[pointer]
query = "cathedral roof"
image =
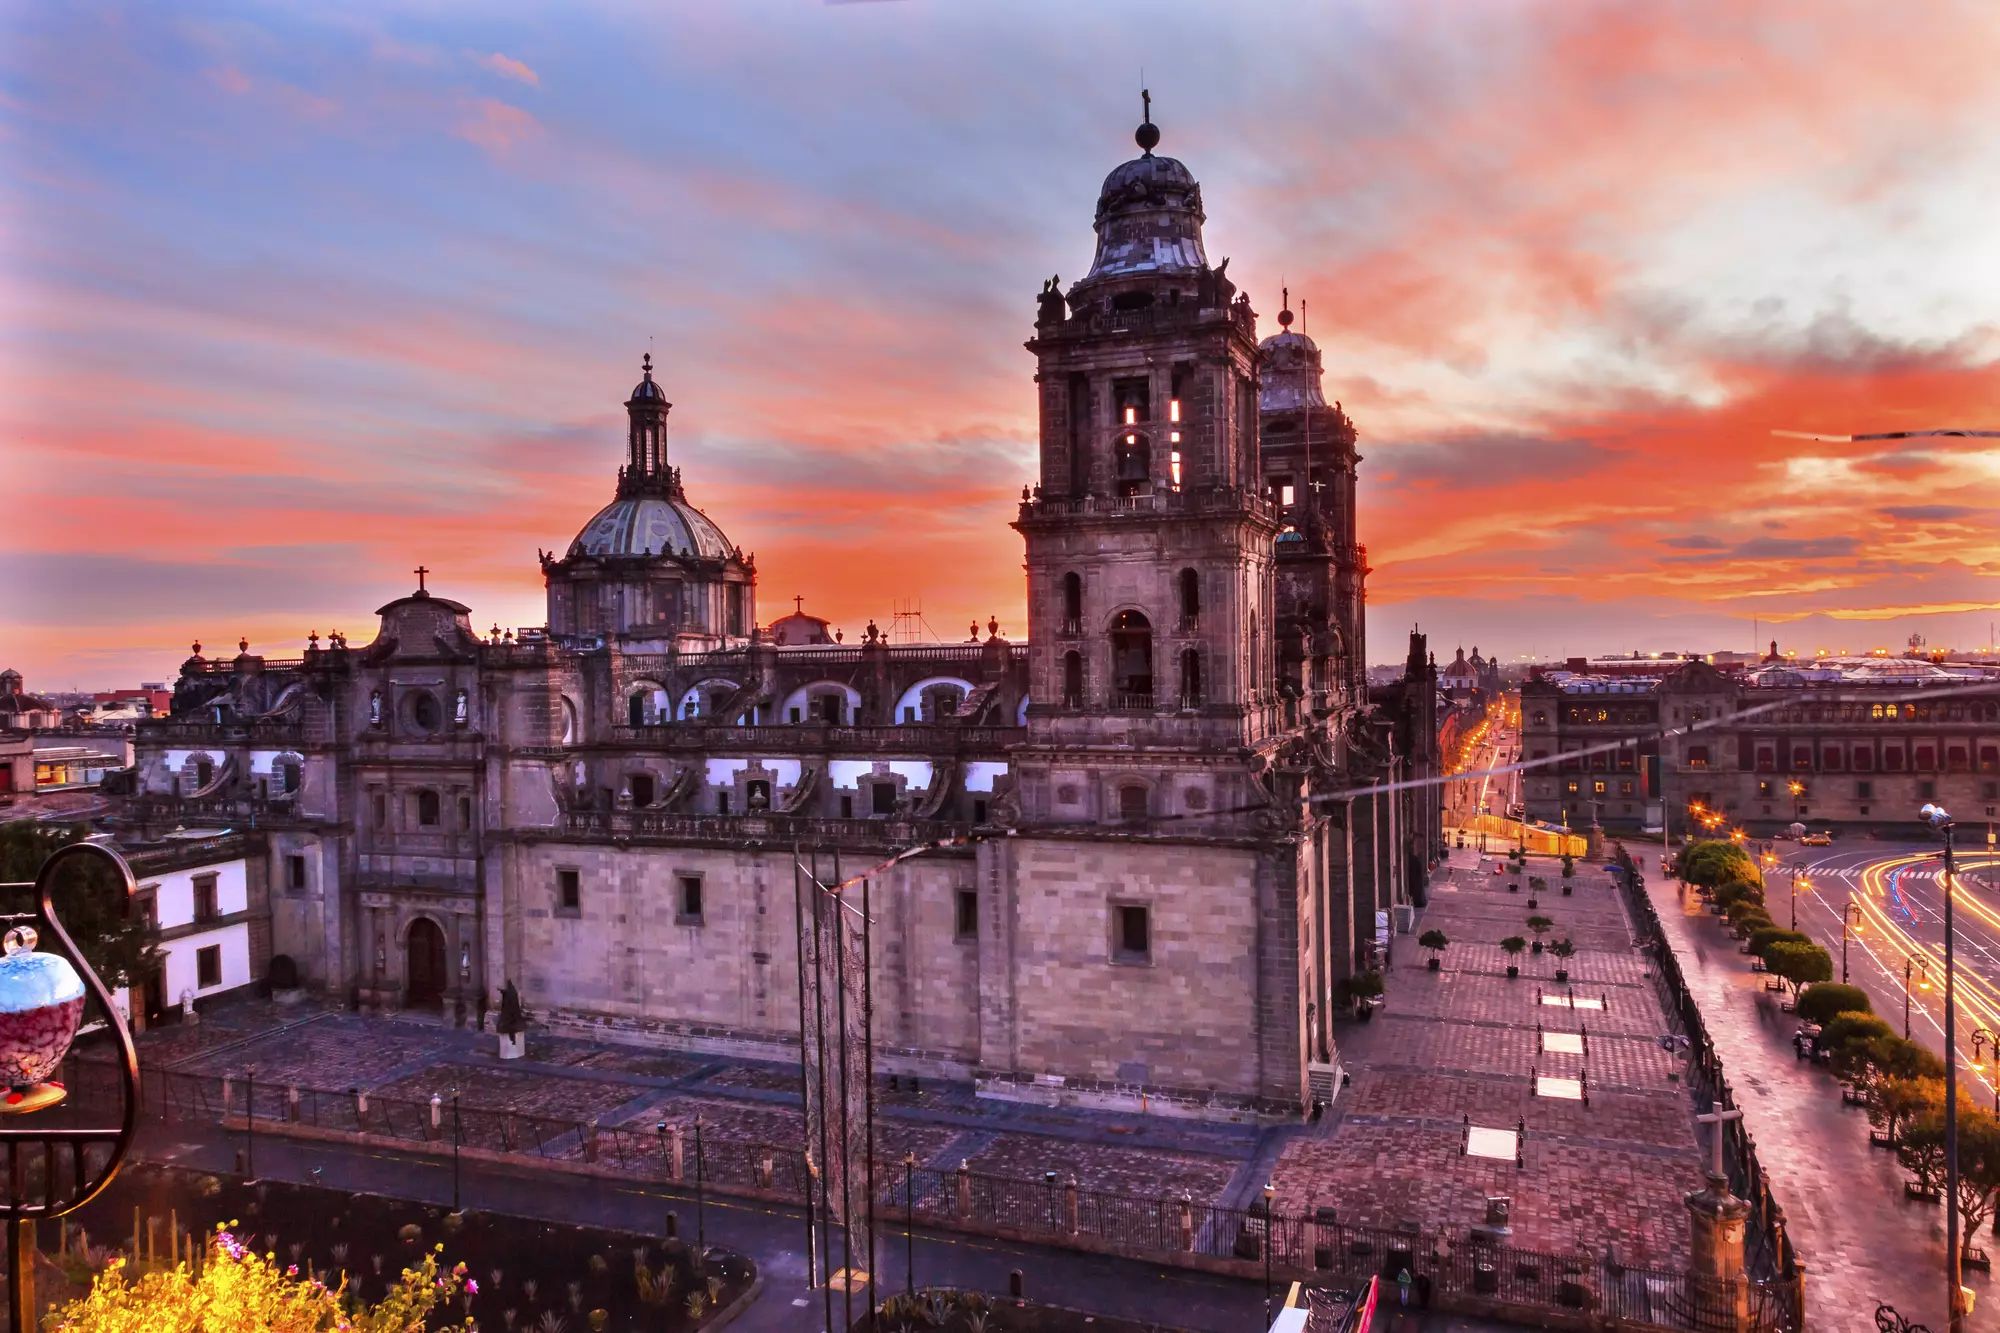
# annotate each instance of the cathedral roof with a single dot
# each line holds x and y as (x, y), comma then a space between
(651, 525)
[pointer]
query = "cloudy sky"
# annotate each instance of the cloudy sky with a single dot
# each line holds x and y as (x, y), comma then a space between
(297, 297)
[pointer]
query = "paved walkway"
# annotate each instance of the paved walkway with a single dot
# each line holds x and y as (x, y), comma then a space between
(1468, 1041)
(1863, 1243)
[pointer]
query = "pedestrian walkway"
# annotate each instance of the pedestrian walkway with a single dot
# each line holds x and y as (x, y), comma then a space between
(1862, 1242)
(1466, 1045)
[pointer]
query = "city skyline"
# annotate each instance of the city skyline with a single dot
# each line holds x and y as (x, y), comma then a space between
(302, 301)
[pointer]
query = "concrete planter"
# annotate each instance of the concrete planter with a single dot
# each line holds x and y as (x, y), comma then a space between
(513, 1045)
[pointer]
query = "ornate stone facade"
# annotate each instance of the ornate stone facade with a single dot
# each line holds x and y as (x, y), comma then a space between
(1132, 857)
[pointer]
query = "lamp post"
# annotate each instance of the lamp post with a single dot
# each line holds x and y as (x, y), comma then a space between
(1850, 917)
(700, 1201)
(250, 1122)
(1270, 1235)
(44, 996)
(454, 1150)
(1798, 878)
(1923, 968)
(1940, 822)
(1983, 1036)
(1798, 801)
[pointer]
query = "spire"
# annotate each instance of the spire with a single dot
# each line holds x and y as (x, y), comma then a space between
(646, 469)
(1148, 134)
(1285, 313)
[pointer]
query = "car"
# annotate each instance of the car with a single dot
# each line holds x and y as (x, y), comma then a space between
(1816, 840)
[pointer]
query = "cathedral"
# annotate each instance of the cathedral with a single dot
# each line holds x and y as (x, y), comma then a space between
(1127, 862)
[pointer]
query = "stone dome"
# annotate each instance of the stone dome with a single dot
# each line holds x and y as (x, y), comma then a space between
(651, 525)
(1290, 373)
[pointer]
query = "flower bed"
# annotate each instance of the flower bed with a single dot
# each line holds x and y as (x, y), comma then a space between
(535, 1277)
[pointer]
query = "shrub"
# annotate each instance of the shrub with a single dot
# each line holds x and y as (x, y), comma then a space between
(239, 1289)
(1899, 1057)
(1434, 940)
(1762, 940)
(1822, 1002)
(1513, 945)
(1540, 925)
(1364, 985)
(1713, 863)
(1850, 1028)
(1562, 948)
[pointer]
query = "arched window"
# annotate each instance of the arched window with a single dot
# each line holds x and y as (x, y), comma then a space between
(1072, 694)
(1190, 601)
(288, 772)
(1131, 661)
(1072, 623)
(427, 808)
(941, 702)
(1190, 678)
(635, 710)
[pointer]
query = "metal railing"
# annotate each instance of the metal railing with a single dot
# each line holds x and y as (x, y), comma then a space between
(1163, 1228)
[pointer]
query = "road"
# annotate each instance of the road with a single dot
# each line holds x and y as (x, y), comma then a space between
(1898, 925)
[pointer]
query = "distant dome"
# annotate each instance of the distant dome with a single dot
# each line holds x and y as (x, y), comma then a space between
(1290, 373)
(650, 525)
(646, 390)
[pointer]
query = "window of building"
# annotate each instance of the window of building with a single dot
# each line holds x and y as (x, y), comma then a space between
(427, 808)
(688, 909)
(1190, 590)
(1863, 790)
(642, 789)
(846, 806)
(1133, 939)
(1572, 786)
(1072, 608)
(381, 810)
(1697, 756)
(208, 966)
(1892, 759)
(966, 926)
(722, 803)
(882, 798)
(204, 898)
(426, 712)
(829, 707)
(1072, 680)
(1864, 759)
(1763, 789)
(1190, 678)
(288, 774)
(465, 812)
(1597, 787)
(734, 596)
(979, 810)
(1926, 760)
(1132, 661)
(797, 715)
(1132, 803)
(1625, 787)
(1927, 791)
(295, 873)
(569, 891)
(1766, 759)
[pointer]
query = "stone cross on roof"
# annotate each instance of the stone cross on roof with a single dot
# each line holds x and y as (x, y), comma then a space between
(1717, 1117)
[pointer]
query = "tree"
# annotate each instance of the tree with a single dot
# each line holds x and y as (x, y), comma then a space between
(120, 945)
(1435, 941)
(1513, 946)
(1764, 937)
(1978, 1167)
(1850, 1041)
(1540, 925)
(1823, 1002)
(1893, 1102)
(1921, 1150)
(1569, 866)
(1800, 964)
(1563, 949)
(1712, 863)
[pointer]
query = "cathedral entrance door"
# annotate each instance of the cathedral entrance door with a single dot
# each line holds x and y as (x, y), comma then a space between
(426, 970)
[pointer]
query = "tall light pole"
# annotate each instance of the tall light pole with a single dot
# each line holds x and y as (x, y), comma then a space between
(1918, 965)
(1935, 816)
(1798, 878)
(1983, 1036)
(1849, 916)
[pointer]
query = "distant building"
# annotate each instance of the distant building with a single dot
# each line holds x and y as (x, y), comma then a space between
(17, 764)
(1859, 742)
(21, 711)
(209, 895)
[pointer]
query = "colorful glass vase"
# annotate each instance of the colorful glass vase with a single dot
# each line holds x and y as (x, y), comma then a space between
(41, 1003)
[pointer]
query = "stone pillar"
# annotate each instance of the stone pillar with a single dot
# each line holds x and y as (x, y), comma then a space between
(1715, 1271)
(676, 1154)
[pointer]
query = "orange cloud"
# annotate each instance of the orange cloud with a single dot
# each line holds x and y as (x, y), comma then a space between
(509, 68)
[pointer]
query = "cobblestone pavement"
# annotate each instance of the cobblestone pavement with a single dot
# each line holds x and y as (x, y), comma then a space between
(1465, 1042)
(1862, 1241)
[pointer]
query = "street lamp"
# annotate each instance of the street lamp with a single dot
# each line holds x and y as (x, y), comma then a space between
(1850, 916)
(1940, 822)
(1270, 1234)
(1798, 805)
(1798, 878)
(1983, 1036)
(1922, 968)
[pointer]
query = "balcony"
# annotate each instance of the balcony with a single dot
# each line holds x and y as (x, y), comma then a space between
(819, 738)
(646, 826)
(1070, 629)
(1131, 701)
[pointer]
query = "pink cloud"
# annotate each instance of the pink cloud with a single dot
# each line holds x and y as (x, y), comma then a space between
(509, 68)
(230, 79)
(496, 126)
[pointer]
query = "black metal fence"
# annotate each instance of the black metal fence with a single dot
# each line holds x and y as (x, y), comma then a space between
(1169, 1229)
(1768, 1250)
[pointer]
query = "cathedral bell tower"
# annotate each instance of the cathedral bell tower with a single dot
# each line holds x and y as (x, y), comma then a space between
(1149, 538)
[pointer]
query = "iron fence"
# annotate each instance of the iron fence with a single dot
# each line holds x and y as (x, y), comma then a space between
(1315, 1248)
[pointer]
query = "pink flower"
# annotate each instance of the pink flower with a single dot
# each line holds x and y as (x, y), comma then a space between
(471, 1285)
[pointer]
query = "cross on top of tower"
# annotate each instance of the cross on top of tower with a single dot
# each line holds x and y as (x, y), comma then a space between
(646, 364)
(1148, 134)
(798, 605)
(1285, 310)
(420, 571)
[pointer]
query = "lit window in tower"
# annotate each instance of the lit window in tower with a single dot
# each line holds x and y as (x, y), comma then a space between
(1285, 496)
(1131, 439)
(1174, 463)
(1173, 409)
(1173, 437)
(1131, 415)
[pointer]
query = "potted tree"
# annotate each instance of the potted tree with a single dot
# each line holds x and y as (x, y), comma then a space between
(1515, 946)
(1435, 941)
(512, 1024)
(1537, 886)
(1563, 950)
(1569, 872)
(1366, 990)
(1540, 925)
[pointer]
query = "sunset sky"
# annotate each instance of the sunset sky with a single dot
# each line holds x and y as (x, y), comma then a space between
(297, 297)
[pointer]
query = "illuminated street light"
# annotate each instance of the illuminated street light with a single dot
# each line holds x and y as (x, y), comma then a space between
(1849, 917)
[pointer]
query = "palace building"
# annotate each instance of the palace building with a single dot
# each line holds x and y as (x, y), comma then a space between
(1152, 848)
